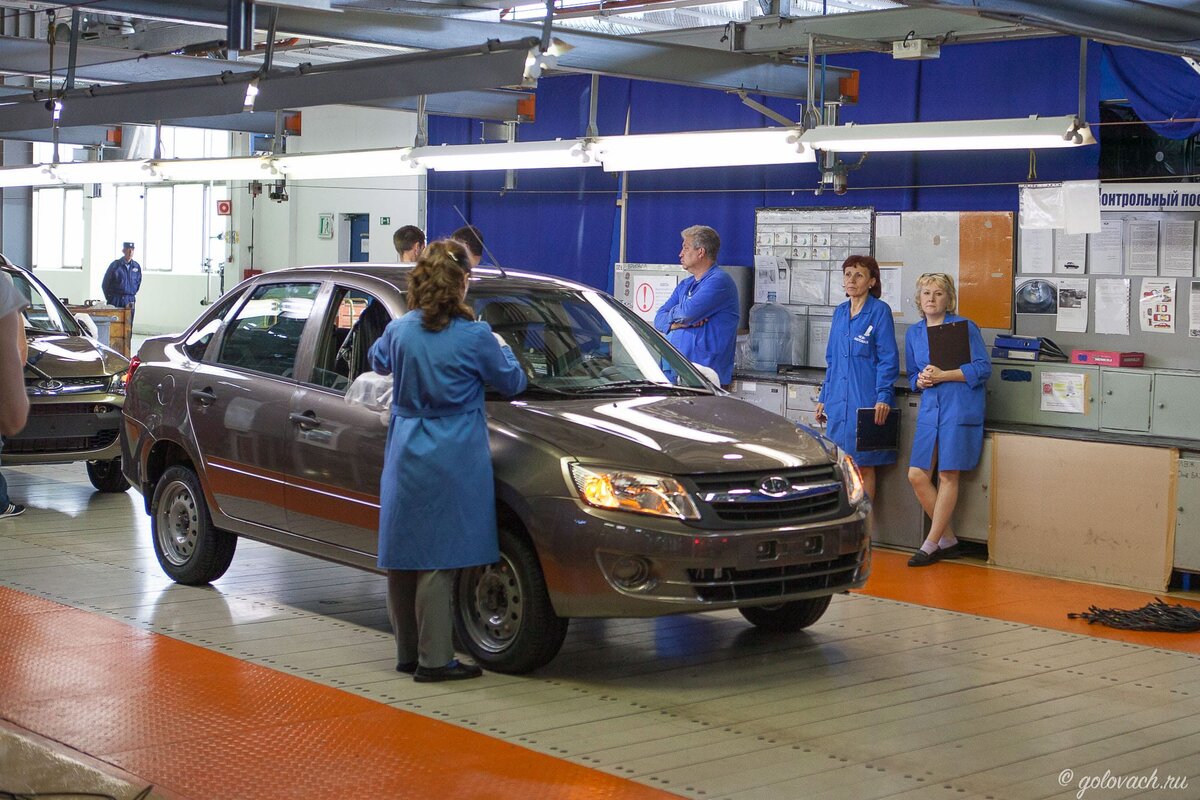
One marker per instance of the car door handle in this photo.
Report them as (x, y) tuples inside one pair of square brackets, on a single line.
[(205, 396), (306, 421)]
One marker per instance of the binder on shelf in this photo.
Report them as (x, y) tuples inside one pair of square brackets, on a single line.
[(1026, 348)]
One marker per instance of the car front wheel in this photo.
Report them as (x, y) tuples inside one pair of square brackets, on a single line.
[(503, 612), (784, 617), (189, 549), (106, 476)]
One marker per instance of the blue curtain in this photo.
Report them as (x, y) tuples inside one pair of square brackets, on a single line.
[(1157, 86), (566, 222)]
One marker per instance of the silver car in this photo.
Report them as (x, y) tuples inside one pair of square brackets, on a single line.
[(627, 485)]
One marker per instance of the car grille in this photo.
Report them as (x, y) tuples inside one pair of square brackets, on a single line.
[(60, 409), (65, 444), (726, 584), (37, 385), (738, 497)]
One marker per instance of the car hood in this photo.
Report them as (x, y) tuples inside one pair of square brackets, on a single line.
[(63, 356), (678, 435)]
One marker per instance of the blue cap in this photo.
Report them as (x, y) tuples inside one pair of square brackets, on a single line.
[(127, 245)]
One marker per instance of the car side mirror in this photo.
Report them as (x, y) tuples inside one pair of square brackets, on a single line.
[(709, 373), (88, 325)]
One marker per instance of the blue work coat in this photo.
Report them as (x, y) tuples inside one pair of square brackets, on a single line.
[(121, 282), (862, 363), (437, 507), (711, 306), (950, 420)]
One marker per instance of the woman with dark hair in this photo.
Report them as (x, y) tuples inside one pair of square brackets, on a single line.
[(437, 509), (862, 362)]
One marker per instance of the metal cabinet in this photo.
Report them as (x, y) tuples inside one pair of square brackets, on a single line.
[(1175, 409), (972, 518), (1015, 389), (897, 518), (768, 395), (1187, 517), (1125, 400), (801, 403)]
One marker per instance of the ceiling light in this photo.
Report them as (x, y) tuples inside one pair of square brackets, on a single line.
[(384, 163), (506, 155), (251, 95), (213, 169), (79, 172), (36, 175), (980, 134), (728, 148)]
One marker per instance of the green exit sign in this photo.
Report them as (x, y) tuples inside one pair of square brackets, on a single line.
[(385, 220)]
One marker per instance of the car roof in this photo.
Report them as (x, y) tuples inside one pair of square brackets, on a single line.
[(489, 278)]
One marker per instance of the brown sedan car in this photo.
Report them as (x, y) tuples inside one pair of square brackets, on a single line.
[(626, 484)]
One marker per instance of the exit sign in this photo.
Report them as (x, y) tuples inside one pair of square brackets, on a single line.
[(385, 220)]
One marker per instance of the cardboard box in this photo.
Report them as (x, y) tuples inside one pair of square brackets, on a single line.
[(1108, 358)]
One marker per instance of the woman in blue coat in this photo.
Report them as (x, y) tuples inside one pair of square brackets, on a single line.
[(437, 509), (862, 363), (949, 434)]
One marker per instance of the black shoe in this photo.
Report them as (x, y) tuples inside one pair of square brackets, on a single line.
[(406, 666), (923, 559), (12, 510), (454, 671), (953, 551)]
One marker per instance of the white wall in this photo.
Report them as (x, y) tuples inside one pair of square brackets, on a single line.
[(285, 234)]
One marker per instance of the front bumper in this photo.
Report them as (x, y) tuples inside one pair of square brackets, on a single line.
[(76, 427), (612, 564)]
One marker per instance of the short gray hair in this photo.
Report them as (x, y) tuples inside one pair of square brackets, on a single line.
[(703, 236)]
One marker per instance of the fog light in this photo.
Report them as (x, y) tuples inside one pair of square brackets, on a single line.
[(631, 572)]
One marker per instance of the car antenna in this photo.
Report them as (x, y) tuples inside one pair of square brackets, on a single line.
[(491, 256)]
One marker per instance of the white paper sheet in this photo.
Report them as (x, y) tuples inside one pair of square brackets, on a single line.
[(1037, 251), (1070, 253), (1064, 391), (1194, 312), (771, 275), (837, 287), (1157, 305), (1082, 206), (809, 287), (1072, 305), (887, 225), (1176, 248), (893, 291), (818, 339), (1143, 247), (1106, 249), (1112, 305)]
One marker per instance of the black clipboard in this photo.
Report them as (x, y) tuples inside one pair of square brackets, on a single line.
[(869, 436), (949, 344)]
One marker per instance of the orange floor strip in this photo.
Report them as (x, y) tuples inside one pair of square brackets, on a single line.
[(200, 724), (1016, 597)]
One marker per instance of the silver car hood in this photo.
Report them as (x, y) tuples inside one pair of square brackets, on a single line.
[(673, 435), (64, 356)]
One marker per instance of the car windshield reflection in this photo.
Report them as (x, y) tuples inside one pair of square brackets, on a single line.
[(581, 342), (44, 315)]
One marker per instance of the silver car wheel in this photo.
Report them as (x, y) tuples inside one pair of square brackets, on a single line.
[(178, 523), (492, 605)]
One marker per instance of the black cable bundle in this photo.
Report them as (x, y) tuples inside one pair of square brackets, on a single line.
[(1156, 616)]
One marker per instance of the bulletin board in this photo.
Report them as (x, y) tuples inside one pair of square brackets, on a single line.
[(973, 247)]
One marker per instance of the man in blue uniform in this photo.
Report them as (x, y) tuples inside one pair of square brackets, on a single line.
[(122, 281), (701, 316)]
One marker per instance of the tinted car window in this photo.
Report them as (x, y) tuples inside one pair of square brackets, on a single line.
[(43, 315), (354, 321), (264, 336)]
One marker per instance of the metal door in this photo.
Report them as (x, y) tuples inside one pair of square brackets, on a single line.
[(360, 236)]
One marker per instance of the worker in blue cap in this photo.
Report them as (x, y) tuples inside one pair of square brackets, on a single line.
[(122, 281)]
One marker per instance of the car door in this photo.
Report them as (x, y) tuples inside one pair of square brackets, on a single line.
[(337, 447), (239, 402)]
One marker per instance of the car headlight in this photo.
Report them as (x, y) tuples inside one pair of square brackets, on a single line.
[(852, 477), (116, 384), (633, 491)]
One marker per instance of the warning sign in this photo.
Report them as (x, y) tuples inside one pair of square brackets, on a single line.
[(224, 208)]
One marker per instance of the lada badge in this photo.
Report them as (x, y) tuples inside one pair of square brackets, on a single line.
[(774, 486), (49, 385)]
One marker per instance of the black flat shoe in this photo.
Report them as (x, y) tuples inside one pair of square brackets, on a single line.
[(954, 551), (407, 666), (923, 559), (454, 671)]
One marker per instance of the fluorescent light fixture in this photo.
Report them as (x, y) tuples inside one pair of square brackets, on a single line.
[(384, 163), (506, 155), (35, 175), (214, 169), (979, 134), (728, 148), (78, 172), (251, 95)]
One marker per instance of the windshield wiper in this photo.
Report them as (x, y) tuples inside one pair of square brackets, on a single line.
[(617, 386)]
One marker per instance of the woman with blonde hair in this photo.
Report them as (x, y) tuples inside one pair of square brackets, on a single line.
[(437, 509), (949, 432)]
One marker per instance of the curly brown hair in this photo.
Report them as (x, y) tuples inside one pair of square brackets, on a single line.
[(435, 284), (872, 268)]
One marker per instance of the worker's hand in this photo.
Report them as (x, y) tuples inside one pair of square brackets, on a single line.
[(820, 414), (881, 413)]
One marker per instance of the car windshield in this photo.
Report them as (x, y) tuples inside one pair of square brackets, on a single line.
[(582, 342), (45, 314)]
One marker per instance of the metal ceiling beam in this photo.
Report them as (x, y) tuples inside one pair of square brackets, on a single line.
[(497, 64), (592, 52)]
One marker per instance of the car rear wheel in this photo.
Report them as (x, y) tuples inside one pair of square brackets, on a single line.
[(503, 613), (106, 476), (784, 617), (189, 549)]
